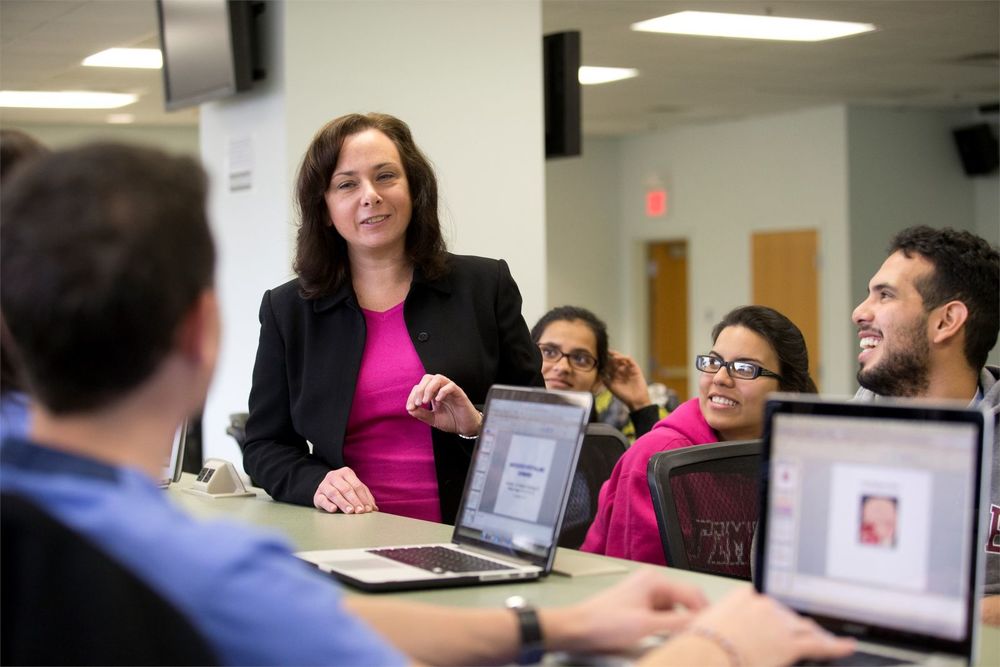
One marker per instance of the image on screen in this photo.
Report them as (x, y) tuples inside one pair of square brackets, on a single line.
[(524, 460)]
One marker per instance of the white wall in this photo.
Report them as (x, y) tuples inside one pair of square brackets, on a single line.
[(252, 228), (987, 207), (725, 181), (173, 139), (857, 175), (583, 226), (905, 170), (466, 77)]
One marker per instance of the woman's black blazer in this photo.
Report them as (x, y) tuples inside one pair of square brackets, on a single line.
[(467, 326)]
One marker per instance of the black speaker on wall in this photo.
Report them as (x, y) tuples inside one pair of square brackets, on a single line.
[(561, 64), (977, 146)]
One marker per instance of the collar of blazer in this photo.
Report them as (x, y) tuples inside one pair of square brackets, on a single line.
[(345, 293)]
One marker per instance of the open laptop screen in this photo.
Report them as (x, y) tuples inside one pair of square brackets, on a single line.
[(871, 521), (173, 466), (520, 476)]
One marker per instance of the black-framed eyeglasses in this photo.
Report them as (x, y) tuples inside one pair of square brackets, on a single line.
[(578, 359), (742, 370)]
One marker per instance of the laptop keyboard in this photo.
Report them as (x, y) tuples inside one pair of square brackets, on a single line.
[(859, 659), (439, 559)]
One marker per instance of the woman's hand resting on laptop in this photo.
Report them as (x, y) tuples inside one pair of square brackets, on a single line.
[(342, 491)]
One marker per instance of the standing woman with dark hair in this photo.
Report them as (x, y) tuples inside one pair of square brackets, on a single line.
[(377, 352), (756, 350)]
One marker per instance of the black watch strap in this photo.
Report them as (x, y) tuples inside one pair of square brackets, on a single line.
[(532, 645)]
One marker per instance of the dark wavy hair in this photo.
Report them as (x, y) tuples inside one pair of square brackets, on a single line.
[(321, 260), (17, 148), (966, 269), (103, 250), (573, 314), (784, 338)]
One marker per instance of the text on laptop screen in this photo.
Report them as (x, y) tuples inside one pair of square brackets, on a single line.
[(871, 520), (524, 459)]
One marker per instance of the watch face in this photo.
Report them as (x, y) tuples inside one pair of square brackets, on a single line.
[(515, 602)]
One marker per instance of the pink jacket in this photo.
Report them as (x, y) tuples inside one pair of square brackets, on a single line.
[(625, 525)]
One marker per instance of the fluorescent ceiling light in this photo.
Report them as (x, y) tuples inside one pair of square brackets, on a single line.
[(137, 58), (749, 26), (593, 75), (64, 99)]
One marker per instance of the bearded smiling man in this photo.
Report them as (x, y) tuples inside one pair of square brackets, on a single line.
[(926, 328)]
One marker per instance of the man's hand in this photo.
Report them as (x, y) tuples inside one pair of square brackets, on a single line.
[(758, 629), (991, 610), (616, 619)]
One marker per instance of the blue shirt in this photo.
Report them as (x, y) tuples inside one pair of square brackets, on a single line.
[(254, 603), (13, 414)]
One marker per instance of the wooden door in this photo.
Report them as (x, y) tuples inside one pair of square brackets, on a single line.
[(785, 277), (668, 315)]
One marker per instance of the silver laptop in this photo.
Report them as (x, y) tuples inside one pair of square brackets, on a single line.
[(173, 466), (871, 523), (512, 507)]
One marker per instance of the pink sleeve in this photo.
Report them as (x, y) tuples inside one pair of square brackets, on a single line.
[(625, 525)]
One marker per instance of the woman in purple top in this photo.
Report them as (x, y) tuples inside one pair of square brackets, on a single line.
[(376, 354)]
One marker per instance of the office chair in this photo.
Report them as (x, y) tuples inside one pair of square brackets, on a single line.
[(65, 602), (238, 428), (706, 503), (603, 445)]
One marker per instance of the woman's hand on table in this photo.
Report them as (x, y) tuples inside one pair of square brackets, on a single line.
[(342, 491), (441, 404)]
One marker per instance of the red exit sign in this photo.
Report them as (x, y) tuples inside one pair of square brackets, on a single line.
[(656, 203)]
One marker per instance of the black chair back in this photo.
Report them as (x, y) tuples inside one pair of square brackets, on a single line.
[(65, 602), (238, 428), (706, 503), (603, 445)]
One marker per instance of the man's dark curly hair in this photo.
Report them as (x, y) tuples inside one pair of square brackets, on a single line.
[(966, 269)]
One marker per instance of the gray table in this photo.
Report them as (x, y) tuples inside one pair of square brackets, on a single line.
[(308, 529)]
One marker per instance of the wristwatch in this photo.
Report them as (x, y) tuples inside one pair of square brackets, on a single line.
[(532, 645)]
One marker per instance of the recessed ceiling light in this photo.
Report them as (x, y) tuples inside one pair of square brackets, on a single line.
[(120, 118), (594, 75), (137, 58), (64, 99), (748, 26)]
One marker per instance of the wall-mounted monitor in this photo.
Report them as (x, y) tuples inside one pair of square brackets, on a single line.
[(210, 49)]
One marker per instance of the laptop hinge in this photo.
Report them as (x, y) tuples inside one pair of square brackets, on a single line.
[(492, 553)]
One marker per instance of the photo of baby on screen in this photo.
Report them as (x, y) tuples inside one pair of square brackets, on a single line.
[(878, 521)]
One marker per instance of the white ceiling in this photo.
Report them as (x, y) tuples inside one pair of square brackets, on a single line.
[(925, 54)]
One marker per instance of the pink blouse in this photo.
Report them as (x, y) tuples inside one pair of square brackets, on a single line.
[(390, 451)]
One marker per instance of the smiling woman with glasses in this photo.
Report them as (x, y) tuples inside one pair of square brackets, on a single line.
[(755, 351)]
